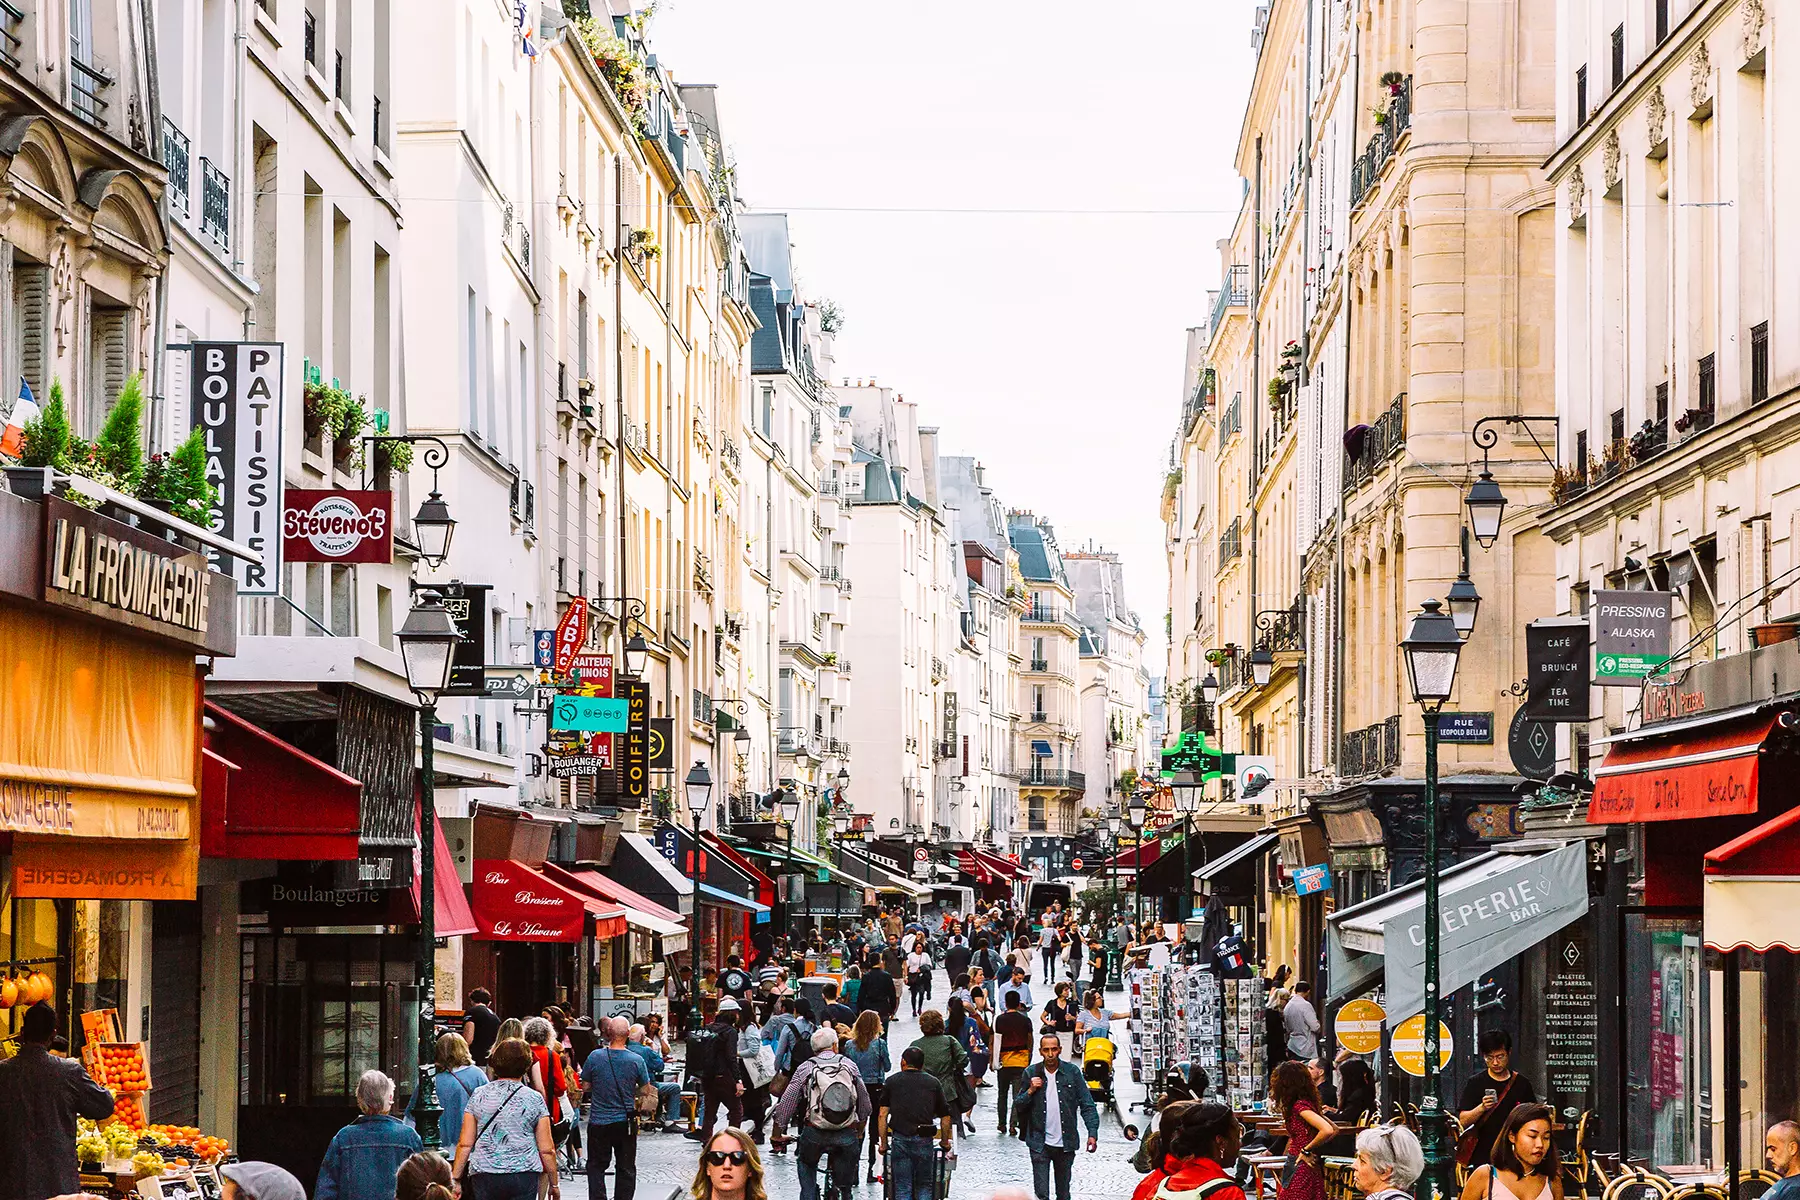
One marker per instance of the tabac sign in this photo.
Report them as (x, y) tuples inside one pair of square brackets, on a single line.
[(107, 569)]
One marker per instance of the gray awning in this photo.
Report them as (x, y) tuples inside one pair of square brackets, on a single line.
[(1490, 909), (1225, 862)]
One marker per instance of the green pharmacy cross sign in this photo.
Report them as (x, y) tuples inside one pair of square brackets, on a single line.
[(1191, 753)]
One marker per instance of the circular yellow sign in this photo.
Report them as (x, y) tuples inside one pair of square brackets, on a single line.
[(1358, 1026), (1408, 1045)]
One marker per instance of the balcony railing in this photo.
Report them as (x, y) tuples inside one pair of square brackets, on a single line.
[(1046, 614), (11, 43), (1050, 777), (215, 205), (1234, 291), (734, 459), (703, 708), (1040, 664), (1284, 630), (1371, 749), (1230, 542), (1040, 717), (1366, 171), (1231, 419), (177, 154), (1381, 441), (703, 574), (938, 670), (86, 83)]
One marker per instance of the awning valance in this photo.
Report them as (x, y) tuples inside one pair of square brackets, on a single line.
[(450, 915), (1246, 853), (987, 868), (1752, 888), (1490, 909), (608, 889), (513, 903), (1143, 854), (261, 798), (1706, 772), (881, 878), (707, 894), (1041, 749)]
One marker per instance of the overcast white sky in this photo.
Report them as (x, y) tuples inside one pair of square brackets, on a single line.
[(1047, 344)]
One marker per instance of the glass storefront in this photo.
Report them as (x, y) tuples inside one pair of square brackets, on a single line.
[(80, 946), (1669, 1040)]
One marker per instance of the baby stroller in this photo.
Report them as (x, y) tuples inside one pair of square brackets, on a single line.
[(1097, 1066)]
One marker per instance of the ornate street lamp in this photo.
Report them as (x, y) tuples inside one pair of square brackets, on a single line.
[(1209, 690), (433, 526), (428, 640), (1432, 650), (637, 654), (699, 785), (1463, 601), (1487, 505), (1137, 812), (1262, 666)]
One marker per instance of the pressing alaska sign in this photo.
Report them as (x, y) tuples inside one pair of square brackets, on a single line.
[(1631, 636)]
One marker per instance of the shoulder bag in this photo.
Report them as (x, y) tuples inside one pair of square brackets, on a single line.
[(1469, 1139), (489, 1124)]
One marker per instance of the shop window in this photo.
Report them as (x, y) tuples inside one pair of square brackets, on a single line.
[(1668, 1041), (1769, 1038)]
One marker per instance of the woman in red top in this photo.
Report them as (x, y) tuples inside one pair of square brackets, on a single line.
[(546, 1065), (1203, 1138), (1295, 1096)]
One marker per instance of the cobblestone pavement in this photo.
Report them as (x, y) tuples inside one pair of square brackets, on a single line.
[(987, 1163)]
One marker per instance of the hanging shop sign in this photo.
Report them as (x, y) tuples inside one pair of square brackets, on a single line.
[(1556, 669), (1631, 636), (1358, 1026), (634, 764), (1571, 1025), (236, 397), (1309, 881), (467, 605), (1408, 1046), (662, 743), (1531, 744), (543, 648), (1466, 728), (592, 673), (107, 569), (588, 714), (336, 525), (571, 633), (374, 869)]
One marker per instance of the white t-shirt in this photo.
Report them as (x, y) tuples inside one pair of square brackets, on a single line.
[(1053, 1131), (917, 961)]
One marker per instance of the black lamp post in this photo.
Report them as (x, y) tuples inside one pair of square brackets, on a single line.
[(1113, 821), (1137, 813), (1432, 649), (1262, 666), (427, 640), (698, 785), (1209, 690), (637, 654), (433, 525), (1463, 601), (788, 802), (1187, 797)]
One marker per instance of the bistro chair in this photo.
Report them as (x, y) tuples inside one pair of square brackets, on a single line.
[(1699, 1191), (1638, 1183), (1754, 1181), (1578, 1167)]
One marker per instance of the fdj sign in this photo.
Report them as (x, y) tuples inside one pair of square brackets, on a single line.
[(589, 714)]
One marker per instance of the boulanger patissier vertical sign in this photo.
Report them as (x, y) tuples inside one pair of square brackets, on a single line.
[(236, 399)]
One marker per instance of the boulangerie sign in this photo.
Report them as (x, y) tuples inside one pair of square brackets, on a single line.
[(336, 525), (235, 396), (513, 903)]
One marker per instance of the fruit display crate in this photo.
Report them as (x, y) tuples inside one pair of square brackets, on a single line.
[(121, 1066)]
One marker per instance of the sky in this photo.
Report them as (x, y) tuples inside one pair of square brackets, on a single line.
[(1016, 205)]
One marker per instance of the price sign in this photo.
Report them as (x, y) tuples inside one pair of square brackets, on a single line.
[(1408, 1046), (1358, 1026)]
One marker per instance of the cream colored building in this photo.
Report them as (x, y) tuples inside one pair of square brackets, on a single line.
[(1052, 783)]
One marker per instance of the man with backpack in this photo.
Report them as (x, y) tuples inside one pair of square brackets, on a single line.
[(826, 1093), (713, 1060)]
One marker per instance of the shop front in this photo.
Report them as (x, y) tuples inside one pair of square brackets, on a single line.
[(100, 762), (726, 912), (627, 971)]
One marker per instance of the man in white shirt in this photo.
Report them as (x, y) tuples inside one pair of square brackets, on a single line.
[(1301, 1024)]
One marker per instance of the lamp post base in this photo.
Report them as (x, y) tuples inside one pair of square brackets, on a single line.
[(427, 1110), (1438, 1182)]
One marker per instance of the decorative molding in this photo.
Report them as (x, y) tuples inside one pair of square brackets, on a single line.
[(1658, 119), (1700, 76), (1577, 196), (1754, 18), (1610, 154)]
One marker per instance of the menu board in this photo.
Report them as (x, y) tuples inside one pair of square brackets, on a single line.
[(1571, 1025)]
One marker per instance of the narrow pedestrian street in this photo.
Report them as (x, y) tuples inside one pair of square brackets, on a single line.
[(986, 1163)]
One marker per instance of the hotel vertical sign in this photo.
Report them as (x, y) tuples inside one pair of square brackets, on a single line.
[(236, 400)]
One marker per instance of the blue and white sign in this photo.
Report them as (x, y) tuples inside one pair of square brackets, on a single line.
[(1309, 881), (669, 842), (543, 644)]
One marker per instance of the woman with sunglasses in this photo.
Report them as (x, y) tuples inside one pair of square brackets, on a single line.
[(730, 1169)]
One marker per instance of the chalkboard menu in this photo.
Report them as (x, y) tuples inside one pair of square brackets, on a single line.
[(1571, 1025)]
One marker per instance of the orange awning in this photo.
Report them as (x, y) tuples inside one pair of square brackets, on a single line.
[(1711, 772)]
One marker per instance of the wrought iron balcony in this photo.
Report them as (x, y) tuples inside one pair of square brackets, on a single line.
[(177, 155), (1283, 629), (938, 669), (1040, 664), (1380, 442), (1053, 778), (1371, 749), (11, 43), (733, 457), (1366, 171), (1231, 418), (215, 205), (86, 85), (1234, 292), (1230, 542)]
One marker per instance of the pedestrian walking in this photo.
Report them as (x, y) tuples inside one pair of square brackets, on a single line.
[(827, 1095), (877, 994), (547, 1074), (913, 1109), (1075, 941), (425, 1176), (505, 1150), (1058, 1016), (1275, 1028), (852, 986), (868, 1049), (363, 1157), (756, 1065), (1196, 1143), (713, 1060), (40, 1097), (1781, 1147), (1488, 1099), (611, 1077), (1046, 1114), (1019, 987), (945, 1059), (1025, 955), (988, 963), (1012, 1030), (1094, 1019), (1524, 1163), (1301, 1024), (730, 1169), (265, 1181), (1388, 1162), (457, 1079), (734, 981), (481, 1025), (1050, 950), (836, 1011), (976, 1038), (1294, 1095)]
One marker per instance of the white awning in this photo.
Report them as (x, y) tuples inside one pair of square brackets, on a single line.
[(872, 874), (649, 923), (1752, 912)]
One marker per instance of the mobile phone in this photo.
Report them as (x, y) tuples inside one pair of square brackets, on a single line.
[(1491, 1094)]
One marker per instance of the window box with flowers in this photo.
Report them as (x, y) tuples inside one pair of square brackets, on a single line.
[(339, 418)]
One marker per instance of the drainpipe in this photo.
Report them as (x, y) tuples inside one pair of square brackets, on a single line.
[(618, 336), (1255, 383), (1306, 248), (1337, 662)]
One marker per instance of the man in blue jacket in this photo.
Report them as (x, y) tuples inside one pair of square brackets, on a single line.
[(365, 1155), (1053, 1092)]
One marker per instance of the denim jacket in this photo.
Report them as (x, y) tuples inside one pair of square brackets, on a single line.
[(1073, 1098), (362, 1160)]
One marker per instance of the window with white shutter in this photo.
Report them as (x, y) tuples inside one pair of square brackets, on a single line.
[(109, 360), (30, 325)]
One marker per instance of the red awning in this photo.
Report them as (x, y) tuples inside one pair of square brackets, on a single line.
[(1136, 858), (1772, 848), (261, 798), (970, 863), (513, 903), (1710, 773), (608, 890), (765, 886), (450, 915)]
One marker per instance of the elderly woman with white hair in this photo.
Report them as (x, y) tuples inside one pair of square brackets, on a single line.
[(365, 1156), (1388, 1162)]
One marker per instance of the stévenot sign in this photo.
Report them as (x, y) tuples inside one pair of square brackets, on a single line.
[(337, 525)]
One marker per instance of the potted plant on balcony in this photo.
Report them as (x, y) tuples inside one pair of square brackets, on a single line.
[(1394, 82), (176, 482), (1566, 483), (43, 448), (1291, 352), (332, 412)]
